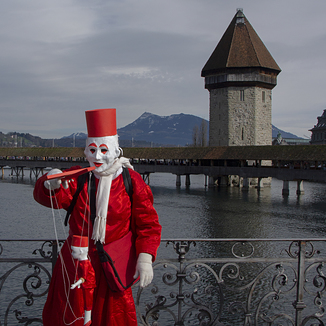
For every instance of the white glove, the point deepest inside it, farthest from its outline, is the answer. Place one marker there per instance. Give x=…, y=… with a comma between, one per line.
x=144, y=269
x=55, y=183
x=80, y=281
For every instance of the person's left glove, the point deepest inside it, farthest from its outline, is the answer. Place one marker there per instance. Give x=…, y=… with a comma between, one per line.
x=55, y=183
x=144, y=269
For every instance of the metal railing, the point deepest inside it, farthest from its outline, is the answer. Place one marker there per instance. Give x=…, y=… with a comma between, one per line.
x=197, y=282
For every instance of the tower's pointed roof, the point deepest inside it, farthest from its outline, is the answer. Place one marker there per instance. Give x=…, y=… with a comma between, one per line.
x=239, y=47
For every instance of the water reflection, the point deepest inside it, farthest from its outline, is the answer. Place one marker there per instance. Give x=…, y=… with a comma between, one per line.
x=197, y=212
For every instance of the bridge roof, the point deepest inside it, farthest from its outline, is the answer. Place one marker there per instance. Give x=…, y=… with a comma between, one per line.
x=284, y=153
x=43, y=151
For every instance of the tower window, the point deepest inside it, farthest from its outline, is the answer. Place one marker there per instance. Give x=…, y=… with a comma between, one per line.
x=242, y=95
x=242, y=134
x=263, y=96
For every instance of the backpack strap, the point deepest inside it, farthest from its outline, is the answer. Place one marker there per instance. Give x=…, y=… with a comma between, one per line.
x=127, y=181
x=80, y=184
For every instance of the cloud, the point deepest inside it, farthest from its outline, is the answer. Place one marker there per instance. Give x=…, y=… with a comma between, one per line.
x=62, y=58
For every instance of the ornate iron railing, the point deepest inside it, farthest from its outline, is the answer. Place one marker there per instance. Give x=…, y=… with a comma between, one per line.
x=197, y=282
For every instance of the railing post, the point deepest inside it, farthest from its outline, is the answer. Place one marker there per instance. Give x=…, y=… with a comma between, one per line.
x=182, y=249
x=299, y=305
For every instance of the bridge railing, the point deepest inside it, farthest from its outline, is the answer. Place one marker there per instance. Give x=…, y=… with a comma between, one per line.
x=197, y=282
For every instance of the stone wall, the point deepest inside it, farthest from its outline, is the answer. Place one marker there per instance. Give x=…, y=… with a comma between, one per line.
x=218, y=117
x=240, y=116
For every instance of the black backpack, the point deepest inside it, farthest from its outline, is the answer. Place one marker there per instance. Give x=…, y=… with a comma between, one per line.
x=85, y=178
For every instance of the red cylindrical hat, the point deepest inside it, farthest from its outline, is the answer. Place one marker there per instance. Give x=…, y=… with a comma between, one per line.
x=79, y=241
x=101, y=122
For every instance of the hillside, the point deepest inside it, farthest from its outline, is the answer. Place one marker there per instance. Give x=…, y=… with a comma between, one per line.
x=149, y=130
x=176, y=129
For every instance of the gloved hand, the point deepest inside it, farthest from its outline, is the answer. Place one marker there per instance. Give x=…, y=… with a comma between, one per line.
x=55, y=183
x=80, y=281
x=144, y=269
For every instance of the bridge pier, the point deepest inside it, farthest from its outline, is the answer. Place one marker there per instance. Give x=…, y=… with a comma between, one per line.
x=36, y=171
x=245, y=184
x=224, y=181
x=17, y=170
x=187, y=180
x=260, y=183
x=178, y=180
x=146, y=177
x=211, y=182
x=285, y=190
x=300, y=190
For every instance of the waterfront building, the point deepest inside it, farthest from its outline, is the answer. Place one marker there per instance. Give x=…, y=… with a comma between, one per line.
x=279, y=140
x=240, y=75
x=318, y=136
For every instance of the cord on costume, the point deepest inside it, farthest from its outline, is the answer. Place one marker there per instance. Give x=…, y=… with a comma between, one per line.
x=63, y=268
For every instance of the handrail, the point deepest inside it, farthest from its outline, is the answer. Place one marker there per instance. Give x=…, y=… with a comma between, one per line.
x=197, y=282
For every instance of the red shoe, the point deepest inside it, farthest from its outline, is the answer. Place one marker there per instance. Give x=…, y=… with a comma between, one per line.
x=88, y=323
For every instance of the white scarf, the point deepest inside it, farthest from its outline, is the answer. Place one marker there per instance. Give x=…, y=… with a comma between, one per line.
x=103, y=195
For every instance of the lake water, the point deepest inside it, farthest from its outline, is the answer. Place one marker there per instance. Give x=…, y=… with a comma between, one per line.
x=193, y=212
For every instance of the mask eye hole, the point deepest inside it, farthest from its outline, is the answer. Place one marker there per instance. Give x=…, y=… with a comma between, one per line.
x=92, y=150
x=104, y=150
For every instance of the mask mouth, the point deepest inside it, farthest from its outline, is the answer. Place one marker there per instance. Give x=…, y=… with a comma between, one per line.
x=98, y=164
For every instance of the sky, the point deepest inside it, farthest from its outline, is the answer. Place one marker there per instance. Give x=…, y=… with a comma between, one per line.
x=61, y=58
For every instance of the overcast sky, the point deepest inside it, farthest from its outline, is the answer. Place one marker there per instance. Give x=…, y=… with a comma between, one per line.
x=61, y=58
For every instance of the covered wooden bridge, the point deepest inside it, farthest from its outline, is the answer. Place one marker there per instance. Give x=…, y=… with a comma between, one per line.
x=302, y=162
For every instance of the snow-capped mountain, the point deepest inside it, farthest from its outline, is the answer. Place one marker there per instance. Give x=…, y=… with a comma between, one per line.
x=148, y=130
x=154, y=130
x=176, y=129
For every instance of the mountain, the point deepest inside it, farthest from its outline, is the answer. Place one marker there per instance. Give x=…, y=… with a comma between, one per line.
x=176, y=129
x=154, y=130
x=148, y=130
x=284, y=134
x=16, y=139
x=73, y=140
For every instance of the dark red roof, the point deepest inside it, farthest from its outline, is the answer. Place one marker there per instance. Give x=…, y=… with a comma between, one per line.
x=239, y=47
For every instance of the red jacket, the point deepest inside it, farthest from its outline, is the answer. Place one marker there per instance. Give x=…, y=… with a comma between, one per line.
x=109, y=308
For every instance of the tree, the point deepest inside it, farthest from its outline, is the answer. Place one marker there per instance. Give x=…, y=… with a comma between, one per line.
x=203, y=133
x=199, y=134
x=195, y=136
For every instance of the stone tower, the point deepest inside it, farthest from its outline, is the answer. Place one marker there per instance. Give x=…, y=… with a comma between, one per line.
x=240, y=75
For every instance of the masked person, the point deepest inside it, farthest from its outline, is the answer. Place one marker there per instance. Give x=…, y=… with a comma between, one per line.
x=113, y=210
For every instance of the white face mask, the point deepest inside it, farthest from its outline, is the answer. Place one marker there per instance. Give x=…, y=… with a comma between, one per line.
x=101, y=152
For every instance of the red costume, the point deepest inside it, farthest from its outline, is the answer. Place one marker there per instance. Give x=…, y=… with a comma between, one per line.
x=65, y=306
x=86, y=271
